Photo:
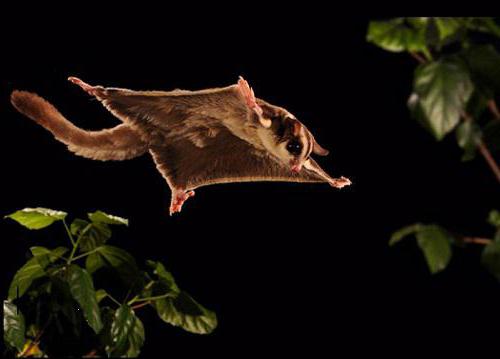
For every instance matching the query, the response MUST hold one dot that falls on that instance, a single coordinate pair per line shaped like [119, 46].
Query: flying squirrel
[196, 138]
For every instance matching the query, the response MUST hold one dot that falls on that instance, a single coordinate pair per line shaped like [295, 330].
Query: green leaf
[120, 260]
[93, 234]
[447, 27]
[397, 35]
[490, 258]
[442, 89]
[165, 276]
[435, 243]
[101, 217]
[100, 294]
[404, 232]
[494, 218]
[468, 136]
[82, 290]
[46, 256]
[108, 316]
[123, 325]
[483, 62]
[37, 218]
[93, 262]
[135, 339]
[13, 326]
[23, 278]
[183, 311]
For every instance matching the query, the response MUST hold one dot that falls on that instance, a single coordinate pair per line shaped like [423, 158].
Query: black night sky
[287, 267]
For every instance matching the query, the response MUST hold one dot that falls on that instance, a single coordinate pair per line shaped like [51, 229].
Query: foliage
[53, 297]
[454, 89]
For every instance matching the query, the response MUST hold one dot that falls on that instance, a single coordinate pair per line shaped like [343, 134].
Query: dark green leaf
[490, 258]
[468, 136]
[435, 243]
[108, 316]
[123, 325]
[165, 276]
[404, 232]
[46, 256]
[135, 339]
[36, 218]
[447, 27]
[93, 234]
[93, 262]
[483, 62]
[397, 35]
[82, 290]
[442, 89]
[185, 312]
[122, 261]
[13, 326]
[491, 135]
[494, 218]
[101, 217]
[23, 278]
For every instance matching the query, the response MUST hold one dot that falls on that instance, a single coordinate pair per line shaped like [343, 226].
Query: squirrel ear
[317, 149]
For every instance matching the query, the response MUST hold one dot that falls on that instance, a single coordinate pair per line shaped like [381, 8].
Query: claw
[340, 182]
[91, 90]
[178, 199]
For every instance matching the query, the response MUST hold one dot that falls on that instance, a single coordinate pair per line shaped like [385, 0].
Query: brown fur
[196, 138]
[118, 143]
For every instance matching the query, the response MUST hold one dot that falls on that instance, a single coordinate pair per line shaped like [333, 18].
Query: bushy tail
[117, 143]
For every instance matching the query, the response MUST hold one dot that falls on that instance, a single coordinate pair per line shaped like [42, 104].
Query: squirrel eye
[294, 147]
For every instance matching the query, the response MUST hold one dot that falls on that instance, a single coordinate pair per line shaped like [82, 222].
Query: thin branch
[492, 105]
[485, 152]
[489, 159]
[477, 240]
[68, 232]
[418, 57]
[113, 299]
[140, 305]
[85, 254]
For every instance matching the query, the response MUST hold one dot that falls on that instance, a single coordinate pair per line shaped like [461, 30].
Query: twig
[492, 105]
[140, 305]
[417, 57]
[489, 159]
[476, 240]
[485, 152]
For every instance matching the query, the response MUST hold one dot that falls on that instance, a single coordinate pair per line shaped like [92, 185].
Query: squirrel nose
[296, 168]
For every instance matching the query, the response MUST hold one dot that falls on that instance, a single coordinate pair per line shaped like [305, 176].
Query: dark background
[287, 267]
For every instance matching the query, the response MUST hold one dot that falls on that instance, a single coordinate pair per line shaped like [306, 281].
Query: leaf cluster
[54, 299]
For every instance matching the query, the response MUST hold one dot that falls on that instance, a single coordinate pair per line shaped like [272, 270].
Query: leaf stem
[85, 254]
[492, 105]
[477, 240]
[140, 305]
[133, 300]
[489, 159]
[68, 232]
[418, 57]
[75, 246]
[113, 299]
[150, 298]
